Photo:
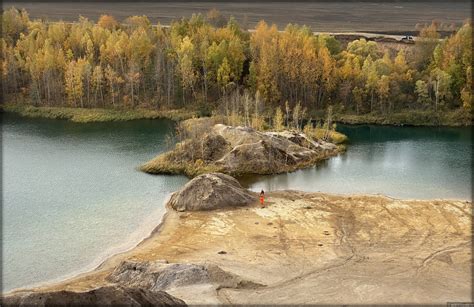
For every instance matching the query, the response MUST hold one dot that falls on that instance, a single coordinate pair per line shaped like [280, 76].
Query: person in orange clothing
[262, 199]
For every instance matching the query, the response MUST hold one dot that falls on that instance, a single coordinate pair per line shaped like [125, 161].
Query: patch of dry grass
[171, 164]
[412, 118]
[83, 115]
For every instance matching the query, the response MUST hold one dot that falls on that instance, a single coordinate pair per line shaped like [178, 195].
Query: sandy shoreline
[367, 249]
[136, 238]
[102, 259]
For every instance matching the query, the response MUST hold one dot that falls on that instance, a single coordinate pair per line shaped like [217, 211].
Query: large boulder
[237, 135]
[211, 191]
[252, 157]
[265, 152]
[104, 296]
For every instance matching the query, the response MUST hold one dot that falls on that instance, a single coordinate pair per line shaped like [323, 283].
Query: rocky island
[303, 248]
[208, 147]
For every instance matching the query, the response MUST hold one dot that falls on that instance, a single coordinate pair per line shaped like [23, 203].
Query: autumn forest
[212, 64]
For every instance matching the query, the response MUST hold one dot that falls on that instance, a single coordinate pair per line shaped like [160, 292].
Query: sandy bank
[315, 248]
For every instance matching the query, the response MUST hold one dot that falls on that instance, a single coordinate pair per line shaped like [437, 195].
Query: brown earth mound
[211, 191]
[162, 276]
[104, 296]
[240, 151]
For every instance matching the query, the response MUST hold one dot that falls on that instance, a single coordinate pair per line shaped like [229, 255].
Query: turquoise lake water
[72, 194]
[402, 162]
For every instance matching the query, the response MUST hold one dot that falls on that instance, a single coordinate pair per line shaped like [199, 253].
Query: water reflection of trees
[372, 133]
[125, 134]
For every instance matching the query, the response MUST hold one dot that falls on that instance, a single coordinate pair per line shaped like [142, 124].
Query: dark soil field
[393, 17]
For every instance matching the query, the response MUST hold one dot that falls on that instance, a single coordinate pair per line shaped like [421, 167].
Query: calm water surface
[402, 162]
[72, 194]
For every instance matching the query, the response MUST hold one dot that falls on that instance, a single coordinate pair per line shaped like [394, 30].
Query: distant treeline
[210, 63]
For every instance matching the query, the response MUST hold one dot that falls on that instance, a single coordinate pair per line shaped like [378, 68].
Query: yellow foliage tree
[278, 121]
